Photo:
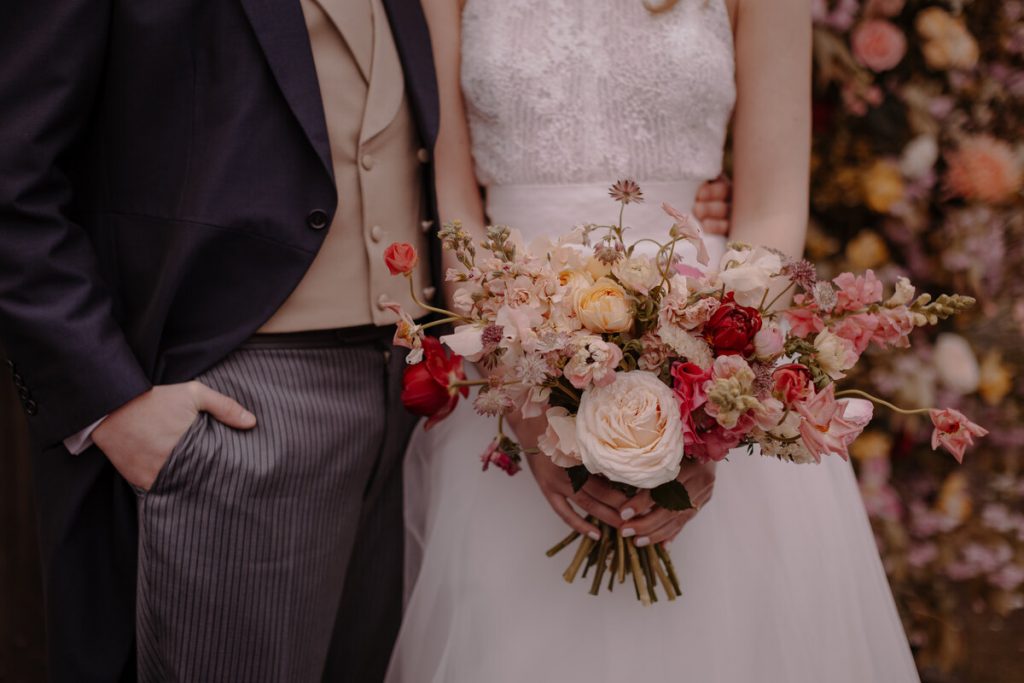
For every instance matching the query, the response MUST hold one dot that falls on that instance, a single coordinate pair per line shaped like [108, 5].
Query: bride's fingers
[593, 506]
[605, 493]
[648, 524]
[637, 506]
[671, 530]
[562, 508]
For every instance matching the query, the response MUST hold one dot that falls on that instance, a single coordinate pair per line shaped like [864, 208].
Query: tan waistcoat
[377, 169]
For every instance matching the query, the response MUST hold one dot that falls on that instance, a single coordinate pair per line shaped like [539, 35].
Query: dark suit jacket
[161, 165]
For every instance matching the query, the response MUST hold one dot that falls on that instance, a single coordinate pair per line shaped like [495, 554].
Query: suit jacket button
[31, 407]
[317, 219]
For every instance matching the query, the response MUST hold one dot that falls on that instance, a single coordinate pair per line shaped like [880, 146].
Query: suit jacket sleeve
[69, 357]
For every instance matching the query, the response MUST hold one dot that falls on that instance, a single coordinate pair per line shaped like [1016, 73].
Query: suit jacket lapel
[352, 18]
[409, 28]
[281, 30]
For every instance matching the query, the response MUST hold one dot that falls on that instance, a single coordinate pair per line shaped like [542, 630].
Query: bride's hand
[596, 497]
[653, 524]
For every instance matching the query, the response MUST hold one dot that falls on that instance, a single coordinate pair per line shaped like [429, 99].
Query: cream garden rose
[605, 307]
[630, 431]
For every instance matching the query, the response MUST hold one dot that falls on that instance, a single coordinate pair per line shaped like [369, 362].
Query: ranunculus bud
[427, 388]
[732, 327]
[401, 258]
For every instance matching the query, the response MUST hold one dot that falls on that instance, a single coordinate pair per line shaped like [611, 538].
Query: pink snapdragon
[857, 292]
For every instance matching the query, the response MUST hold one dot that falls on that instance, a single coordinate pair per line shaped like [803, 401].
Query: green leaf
[672, 496]
[578, 476]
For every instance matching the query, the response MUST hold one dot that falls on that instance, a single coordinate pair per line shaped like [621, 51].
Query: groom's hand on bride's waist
[138, 437]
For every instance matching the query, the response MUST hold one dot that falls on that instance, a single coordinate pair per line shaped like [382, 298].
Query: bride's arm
[772, 124]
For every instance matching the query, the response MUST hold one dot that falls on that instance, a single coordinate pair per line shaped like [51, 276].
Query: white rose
[559, 439]
[835, 354]
[748, 272]
[919, 156]
[956, 363]
[637, 273]
[630, 431]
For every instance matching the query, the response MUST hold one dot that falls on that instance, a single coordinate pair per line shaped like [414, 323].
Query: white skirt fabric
[781, 578]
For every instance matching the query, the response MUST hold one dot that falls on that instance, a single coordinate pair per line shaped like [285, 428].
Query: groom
[204, 189]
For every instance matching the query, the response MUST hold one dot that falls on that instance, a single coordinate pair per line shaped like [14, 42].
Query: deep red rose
[427, 388]
[732, 327]
[792, 383]
[401, 258]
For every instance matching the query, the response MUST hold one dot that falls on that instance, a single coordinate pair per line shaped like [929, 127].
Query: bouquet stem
[614, 556]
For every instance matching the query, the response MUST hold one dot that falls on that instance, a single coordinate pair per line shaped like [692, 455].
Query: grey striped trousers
[276, 554]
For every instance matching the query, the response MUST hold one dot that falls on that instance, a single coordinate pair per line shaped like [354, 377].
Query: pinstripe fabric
[246, 538]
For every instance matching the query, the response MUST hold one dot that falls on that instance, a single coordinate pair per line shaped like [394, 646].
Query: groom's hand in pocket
[652, 524]
[139, 436]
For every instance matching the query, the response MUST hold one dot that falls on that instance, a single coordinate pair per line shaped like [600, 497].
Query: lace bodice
[581, 91]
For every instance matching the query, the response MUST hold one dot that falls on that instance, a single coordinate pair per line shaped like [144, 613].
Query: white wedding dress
[781, 578]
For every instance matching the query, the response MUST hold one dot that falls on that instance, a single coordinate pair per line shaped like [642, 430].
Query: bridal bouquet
[639, 359]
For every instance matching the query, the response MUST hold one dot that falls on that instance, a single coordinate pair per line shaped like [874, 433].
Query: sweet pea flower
[953, 431]
[687, 228]
[593, 362]
[467, 341]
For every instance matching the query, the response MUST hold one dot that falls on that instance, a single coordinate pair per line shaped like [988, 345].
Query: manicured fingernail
[626, 533]
[642, 541]
[594, 535]
[248, 419]
[627, 514]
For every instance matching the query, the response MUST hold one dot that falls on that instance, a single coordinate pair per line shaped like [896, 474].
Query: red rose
[401, 258]
[427, 388]
[792, 383]
[732, 327]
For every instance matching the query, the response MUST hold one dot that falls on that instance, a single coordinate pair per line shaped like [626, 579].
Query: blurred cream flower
[867, 250]
[947, 42]
[956, 363]
[996, 379]
[883, 186]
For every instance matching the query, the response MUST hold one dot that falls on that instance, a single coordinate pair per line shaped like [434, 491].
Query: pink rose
[953, 431]
[858, 329]
[857, 292]
[878, 44]
[401, 258]
[792, 383]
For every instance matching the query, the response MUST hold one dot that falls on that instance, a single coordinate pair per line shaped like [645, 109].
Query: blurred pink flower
[953, 431]
[984, 168]
[878, 44]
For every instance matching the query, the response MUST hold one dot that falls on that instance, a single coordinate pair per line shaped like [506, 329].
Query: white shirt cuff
[78, 443]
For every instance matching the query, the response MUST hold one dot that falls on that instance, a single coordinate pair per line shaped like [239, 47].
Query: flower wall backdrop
[918, 170]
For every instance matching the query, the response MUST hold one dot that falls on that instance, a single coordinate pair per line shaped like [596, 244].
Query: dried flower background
[919, 118]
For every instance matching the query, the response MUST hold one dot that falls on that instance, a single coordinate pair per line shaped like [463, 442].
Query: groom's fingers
[562, 508]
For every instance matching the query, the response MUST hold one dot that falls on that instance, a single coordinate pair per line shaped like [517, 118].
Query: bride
[545, 103]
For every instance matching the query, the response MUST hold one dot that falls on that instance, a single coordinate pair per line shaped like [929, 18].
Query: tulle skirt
[781, 578]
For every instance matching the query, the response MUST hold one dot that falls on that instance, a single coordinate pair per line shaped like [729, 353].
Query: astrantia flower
[531, 370]
[626, 191]
[801, 272]
[825, 297]
[493, 402]
[953, 431]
